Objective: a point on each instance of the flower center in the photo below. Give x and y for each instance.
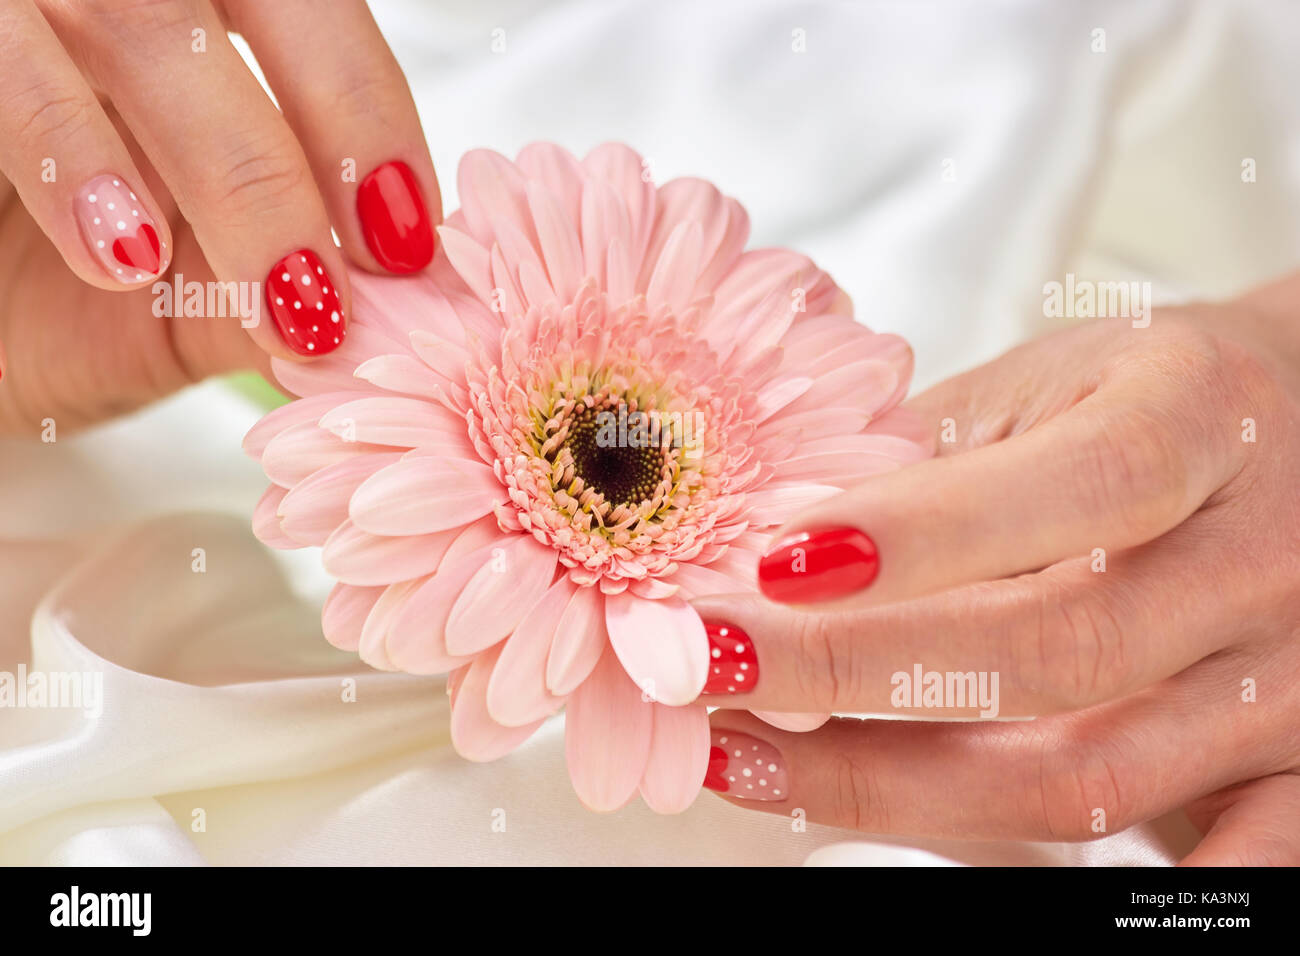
(621, 464)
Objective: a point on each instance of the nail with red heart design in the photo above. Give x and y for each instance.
(741, 765)
(733, 665)
(305, 304)
(818, 565)
(119, 230)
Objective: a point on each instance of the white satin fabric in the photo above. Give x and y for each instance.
(231, 733)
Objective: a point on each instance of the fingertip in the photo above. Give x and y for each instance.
(306, 304)
(818, 564)
(128, 241)
(397, 223)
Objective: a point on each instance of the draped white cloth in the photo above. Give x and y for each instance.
(942, 160)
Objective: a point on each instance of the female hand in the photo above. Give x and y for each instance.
(1114, 534)
(135, 144)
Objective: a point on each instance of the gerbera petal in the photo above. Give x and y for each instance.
(517, 693)
(777, 394)
(867, 385)
(407, 375)
(579, 640)
(672, 281)
(558, 236)
(724, 227)
(535, 286)
(318, 504)
(698, 581)
(795, 723)
(505, 285)
(474, 734)
(555, 168)
(302, 450)
(417, 639)
(471, 260)
(496, 598)
(607, 730)
(399, 422)
(446, 360)
(266, 521)
(679, 756)
(492, 190)
(424, 494)
(624, 170)
(908, 424)
(344, 614)
(653, 589)
(604, 219)
(661, 644)
(806, 426)
(300, 412)
(357, 557)
(778, 504)
(730, 244)
(374, 633)
(333, 372)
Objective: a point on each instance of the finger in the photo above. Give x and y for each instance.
(347, 99)
(1118, 469)
(236, 170)
(1019, 390)
(1255, 824)
(68, 164)
(1073, 777)
(1076, 634)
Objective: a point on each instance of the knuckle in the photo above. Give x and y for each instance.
(138, 15)
(1079, 652)
(54, 118)
(1136, 471)
(855, 799)
(1080, 792)
(259, 176)
(44, 108)
(822, 665)
(376, 94)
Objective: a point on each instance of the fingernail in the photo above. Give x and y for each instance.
(304, 304)
(394, 220)
(733, 665)
(746, 767)
(119, 230)
(818, 566)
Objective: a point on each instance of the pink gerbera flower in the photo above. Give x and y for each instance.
(593, 407)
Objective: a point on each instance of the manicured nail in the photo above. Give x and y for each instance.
(394, 220)
(746, 767)
(818, 566)
(733, 665)
(304, 304)
(119, 230)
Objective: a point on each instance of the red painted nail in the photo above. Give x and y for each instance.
(741, 765)
(393, 218)
(119, 230)
(733, 665)
(818, 565)
(305, 304)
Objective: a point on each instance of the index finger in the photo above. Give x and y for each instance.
(1118, 469)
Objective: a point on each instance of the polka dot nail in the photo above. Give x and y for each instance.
(744, 766)
(305, 304)
(119, 230)
(733, 665)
